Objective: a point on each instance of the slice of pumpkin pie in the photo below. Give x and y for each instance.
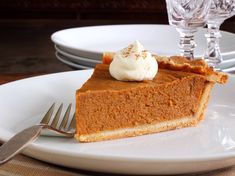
(130, 101)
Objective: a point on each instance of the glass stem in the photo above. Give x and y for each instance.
(187, 43)
(213, 56)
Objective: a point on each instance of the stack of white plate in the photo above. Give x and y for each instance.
(82, 48)
(75, 61)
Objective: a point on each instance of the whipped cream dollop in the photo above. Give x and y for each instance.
(133, 63)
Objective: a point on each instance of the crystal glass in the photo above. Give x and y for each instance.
(220, 10)
(187, 16)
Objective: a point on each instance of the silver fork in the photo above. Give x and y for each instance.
(18, 142)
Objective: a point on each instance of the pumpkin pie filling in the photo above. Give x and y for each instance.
(108, 104)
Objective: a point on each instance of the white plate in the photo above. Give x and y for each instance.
(91, 42)
(228, 64)
(76, 59)
(68, 62)
(209, 146)
(84, 63)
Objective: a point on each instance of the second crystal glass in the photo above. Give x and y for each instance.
(220, 10)
(187, 16)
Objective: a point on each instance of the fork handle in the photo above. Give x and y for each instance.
(18, 142)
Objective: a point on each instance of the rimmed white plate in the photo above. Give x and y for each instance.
(228, 64)
(76, 59)
(67, 61)
(91, 42)
(209, 146)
